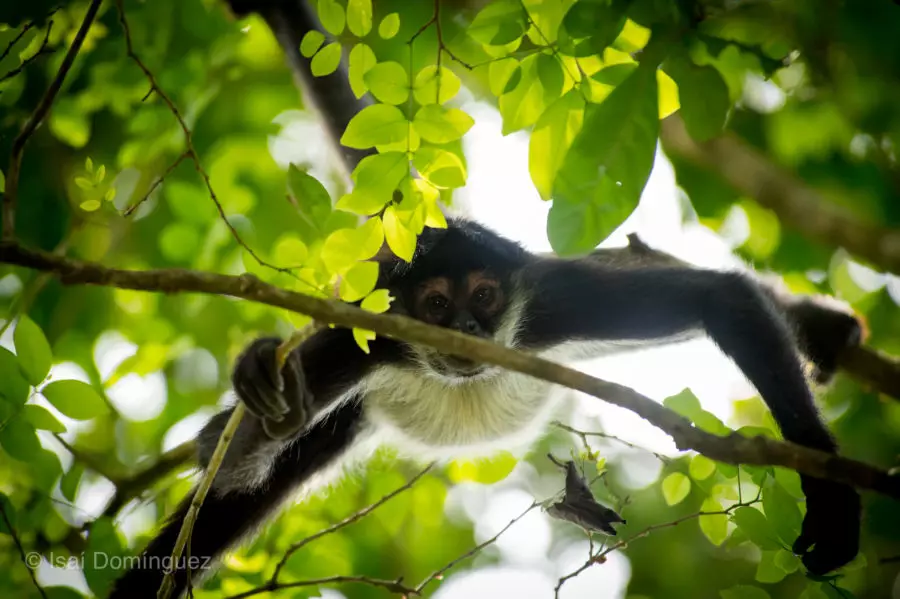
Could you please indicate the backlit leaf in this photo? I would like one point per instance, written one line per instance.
(675, 487)
(550, 140)
(378, 124)
(440, 167)
(499, 23)
(359, 17)
(388, 81)
(75, 399)
(331, 14)
(359, 281)
(430, 81)
(326, 60)
(440, 125)
(32, 350)
(389, 26)
(361, 60)
(311, 42)
(400, 239)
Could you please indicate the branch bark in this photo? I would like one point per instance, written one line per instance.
(797, 204)
(733, 448)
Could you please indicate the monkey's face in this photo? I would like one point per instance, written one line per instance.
(472, 303)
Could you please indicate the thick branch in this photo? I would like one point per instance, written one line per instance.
(734, 448)
(43, 107)
(797, 204)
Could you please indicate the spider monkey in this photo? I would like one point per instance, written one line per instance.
(331, 397)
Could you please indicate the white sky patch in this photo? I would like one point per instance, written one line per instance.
(139, 398)
(187, 428)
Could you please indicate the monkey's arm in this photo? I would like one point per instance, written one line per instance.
(571, 300)
(822, 327)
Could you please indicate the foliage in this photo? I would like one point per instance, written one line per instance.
(116, 374)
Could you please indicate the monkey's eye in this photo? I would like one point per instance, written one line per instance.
(437, 303)
(484, 296)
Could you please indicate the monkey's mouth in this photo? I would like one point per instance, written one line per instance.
(462, 367)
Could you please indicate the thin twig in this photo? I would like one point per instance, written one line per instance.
(439, 573)
(15, 160)
(394, 586)
(44, 49)
(156, 183)
(347, 521)
(189, 144)
(435, 20)
(583, 435)
(600, 556)
(22, 554)
(215, 462)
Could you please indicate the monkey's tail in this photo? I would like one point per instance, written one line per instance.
(224, 520)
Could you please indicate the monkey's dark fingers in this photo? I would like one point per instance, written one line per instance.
(262, 404)
(831, 526)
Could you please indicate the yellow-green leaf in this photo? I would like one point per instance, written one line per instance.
(361, 60)
(90, 205)
(441, 125)
(326, 60)
(675, 488)
(373, 125)
(32, 350)
(440, 167)
(359, 281)
(362, 338)
(311, 42)
(388, 81)
(376, 178)
(345, 247)
(359, 17)
(378, 301)
(485, 471)
(74, 399)
(553, 134)
(41, 419)
(400, 239)
(290, 250)
(715, 527)
(701, 467)
(435, 87)
(332, 16)
(84, 183)
(389, 26)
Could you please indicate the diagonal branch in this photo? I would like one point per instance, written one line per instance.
(797, 204)
(22, 554)
(43, 108)
(733, 448)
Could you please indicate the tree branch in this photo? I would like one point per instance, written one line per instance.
(18, 148)
(797, 204)
(22, 554)
(734, 448)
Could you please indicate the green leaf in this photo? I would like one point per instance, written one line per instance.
(10, 510)
(101, 174)
(550, 140)
(89, 164)
(433, 86)
(32, 350)
(487, 471)
(326, 60)
(290, 250)
(675, 487)
(19, 439)
(523, 105)
(499, 23)
(743, 592)
(373, 125)
(70, 481)
(767, 571)
(41, 419)
(84, 183)
(110, 194)
(703, 95)
(607, 165)
(782, 511)
(362, 338)
(440, 168)
(332, 16)
(75, 399)
(834, 592)
(376, 178)
(500, 73)
(311, 42)
(400, 239)
(590, 26)
(345, 247)
(90, 205)
(787, 561)
(389, 26)
(361, 60)
(615, 74)
(359, 281)
(754, 525)
(105, 549)
(313, 201)
(2, 182)
(69, 123)
(715, 527)
(379, 301)
(359, 17)
(388, 81)
(701, 467)
(13, 386)
(441, 125)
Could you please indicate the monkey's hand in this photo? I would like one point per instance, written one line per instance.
(278, 397)
(825, 329)
(831, 525)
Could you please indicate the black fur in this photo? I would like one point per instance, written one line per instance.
(564, 300)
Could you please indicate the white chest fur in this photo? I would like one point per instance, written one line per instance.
(437, 417)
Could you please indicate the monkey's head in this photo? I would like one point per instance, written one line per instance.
(460, 279)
